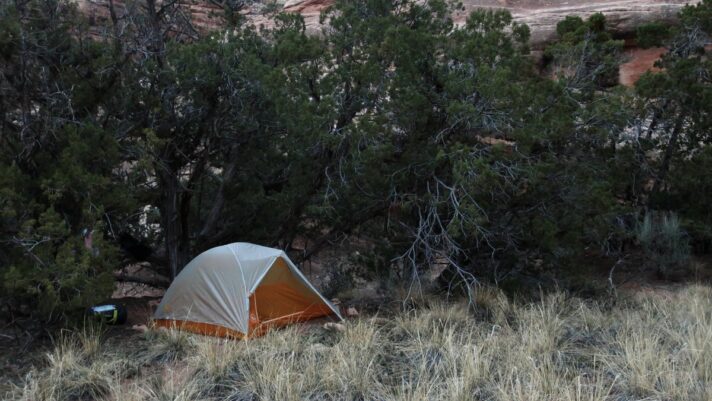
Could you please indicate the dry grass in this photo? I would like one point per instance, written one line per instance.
(650, 347)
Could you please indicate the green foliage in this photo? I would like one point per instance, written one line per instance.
(571, 25)
(49, 270)
(57, 166)
(665, 244)
(473, 159)
(652, 34)
(441, 141)
(687, 188)
(586, 57)
(677, 101)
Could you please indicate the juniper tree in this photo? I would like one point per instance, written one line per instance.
(676, 120)
(57, 163)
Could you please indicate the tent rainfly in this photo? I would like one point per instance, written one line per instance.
(240, 290)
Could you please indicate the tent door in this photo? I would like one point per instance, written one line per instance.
(281, 298)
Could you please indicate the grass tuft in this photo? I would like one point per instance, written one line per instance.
(651, 346)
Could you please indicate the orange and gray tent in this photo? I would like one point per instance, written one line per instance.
(240, 290)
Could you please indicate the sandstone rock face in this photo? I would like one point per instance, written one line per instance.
(541, 16)
(202, 12)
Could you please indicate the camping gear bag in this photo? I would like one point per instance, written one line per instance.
(109, 313)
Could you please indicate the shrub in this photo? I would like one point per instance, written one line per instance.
(666, 245)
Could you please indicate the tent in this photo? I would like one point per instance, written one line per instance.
(240, 290)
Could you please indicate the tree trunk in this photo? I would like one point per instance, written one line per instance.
(213, 217)
(172, 221)
(156, 45)
(667, 157)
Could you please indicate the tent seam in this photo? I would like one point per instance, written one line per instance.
(244, 285)
(262, 276)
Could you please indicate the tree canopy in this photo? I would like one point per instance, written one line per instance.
(445, 143)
